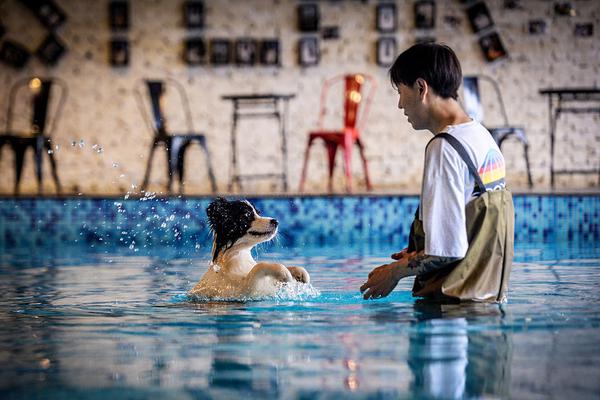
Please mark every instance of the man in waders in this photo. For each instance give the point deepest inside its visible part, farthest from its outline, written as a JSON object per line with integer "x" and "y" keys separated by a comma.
{"x": 461, "y": 241}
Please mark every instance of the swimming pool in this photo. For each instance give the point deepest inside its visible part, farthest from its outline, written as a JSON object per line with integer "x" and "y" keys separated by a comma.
{"x": 93, "y": 306}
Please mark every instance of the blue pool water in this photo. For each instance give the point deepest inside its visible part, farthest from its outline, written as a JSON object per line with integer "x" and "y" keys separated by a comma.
{"x": 89, "y": 318}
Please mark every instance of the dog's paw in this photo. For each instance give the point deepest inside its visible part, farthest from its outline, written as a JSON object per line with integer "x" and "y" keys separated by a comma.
{"x": 300, "y": 274}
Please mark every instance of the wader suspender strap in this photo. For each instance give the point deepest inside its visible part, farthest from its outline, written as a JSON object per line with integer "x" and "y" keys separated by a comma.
{"x": 463, "y": 154}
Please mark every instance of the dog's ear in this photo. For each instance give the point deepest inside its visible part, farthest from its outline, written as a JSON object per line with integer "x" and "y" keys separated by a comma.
{"x": 216, "y": 210}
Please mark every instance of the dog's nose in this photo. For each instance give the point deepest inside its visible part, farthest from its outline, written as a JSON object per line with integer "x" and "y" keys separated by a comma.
{"x": 274, "y": 222}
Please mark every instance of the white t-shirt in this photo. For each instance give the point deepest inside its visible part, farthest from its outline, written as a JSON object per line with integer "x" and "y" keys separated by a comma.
{"x": 448, "y": 186}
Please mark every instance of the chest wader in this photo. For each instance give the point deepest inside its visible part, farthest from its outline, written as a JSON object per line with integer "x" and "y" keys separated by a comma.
{"x": 482, "y": 275}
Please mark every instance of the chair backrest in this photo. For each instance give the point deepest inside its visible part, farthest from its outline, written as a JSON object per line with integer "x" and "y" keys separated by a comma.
{"x": 39, "y": 92}
{"x": 472, "y": 97}
{"x": 359, "y": 90}
{"x": 155, "y": 90}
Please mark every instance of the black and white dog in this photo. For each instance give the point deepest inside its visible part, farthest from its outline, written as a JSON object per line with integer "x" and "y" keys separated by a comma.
{"x": 237, "y": 227}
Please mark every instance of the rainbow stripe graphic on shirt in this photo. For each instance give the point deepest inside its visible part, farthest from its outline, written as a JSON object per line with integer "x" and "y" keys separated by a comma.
{"x": 492, "y": 171}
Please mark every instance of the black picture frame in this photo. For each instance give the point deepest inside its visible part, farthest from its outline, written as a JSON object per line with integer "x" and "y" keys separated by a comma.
{"x": 330, "y": 32}
{"x": 220, "y": 51}
{"x": 246, "y": 51}
{"x": 425, "y": 39}
{"x": 584, "y": 29}
{"x": 119, "y": 52}
{"x": 194, "y": 51}
{"x": 385, "y": 17}
{"x": 14, "y": 54}
{"x": 269, "y": 52}
{"x": 564, "y": 9}
{"x": 492, "y": 47}
{"x": 425, "y": 13}
{"x": 118, "y": 15}
{"x": 193, "y": 14}
{"x": 308, "y": 17}
{"x": 51, "y": 50}
{"x": 479, "y": 17}
{"x": 386, "y": 51}
{"x": 308, "y": 51}
{"x": 537, "y": 27}
{"x": 47, "y": 12}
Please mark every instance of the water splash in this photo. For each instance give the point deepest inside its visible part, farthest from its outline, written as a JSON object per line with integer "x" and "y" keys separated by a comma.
{"x": 297, "y": 291}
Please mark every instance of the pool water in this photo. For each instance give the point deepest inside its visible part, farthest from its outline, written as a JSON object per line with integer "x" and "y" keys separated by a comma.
{"x": 80, "y": 323}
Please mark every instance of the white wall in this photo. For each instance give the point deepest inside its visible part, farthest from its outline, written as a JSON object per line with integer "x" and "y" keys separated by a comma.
{"x": 101, "y": 108}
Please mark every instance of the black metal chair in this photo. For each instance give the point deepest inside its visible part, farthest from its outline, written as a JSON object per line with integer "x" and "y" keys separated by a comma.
{"x": 39, "y": 92}
{"x": 473, "y": 107}
{"x": 175, "y": 143}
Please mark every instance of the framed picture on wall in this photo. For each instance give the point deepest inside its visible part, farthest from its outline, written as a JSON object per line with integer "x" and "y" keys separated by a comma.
{"x": 47, "y": 12}
{"x": 479, "y": 17}
{"x": 245, "y": 52}
{"x": 584, "y": 30}
{"x": 269, "y": 52}
{"x": 220, "y": 50}
{"x": 13, "y": 54}
{"x": 424, "y": 14}
{"x": 492, "y": 47}
{"x": 51, "y": 50}
{"x": 385, "y": 17}
{"x": 308, "y": 51}
{"x": 118, "y": 14}
{"x": 119, "y": 52}
{"x": 195, "y": 51}
{"x": 386, "y": 51}
{"x": 193, "y": 14}
{"x": 308, "y": 17}
{"x": 536, "y": 27}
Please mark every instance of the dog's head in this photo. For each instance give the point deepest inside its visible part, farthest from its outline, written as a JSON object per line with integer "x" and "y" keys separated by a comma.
{"x": 237, "y": 223}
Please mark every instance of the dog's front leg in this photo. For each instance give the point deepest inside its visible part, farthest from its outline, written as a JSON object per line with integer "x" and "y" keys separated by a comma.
{"x": 270, "y": 270}
{"x": 299, "y": 274}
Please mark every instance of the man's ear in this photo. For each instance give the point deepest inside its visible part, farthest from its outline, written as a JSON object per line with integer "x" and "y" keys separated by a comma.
{"x": 422, "y": 87}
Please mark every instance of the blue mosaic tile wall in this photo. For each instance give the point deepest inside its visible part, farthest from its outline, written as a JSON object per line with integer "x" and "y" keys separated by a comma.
{"x": 304, "y": 221}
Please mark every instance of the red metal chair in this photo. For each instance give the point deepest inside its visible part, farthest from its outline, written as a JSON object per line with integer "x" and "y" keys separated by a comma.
{"x": 358, "y": 96}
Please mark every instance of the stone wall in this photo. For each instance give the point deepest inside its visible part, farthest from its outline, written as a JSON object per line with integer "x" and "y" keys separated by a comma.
{"x": 101, "y": 108}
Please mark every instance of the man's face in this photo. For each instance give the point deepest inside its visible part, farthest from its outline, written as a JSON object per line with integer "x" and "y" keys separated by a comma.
{"x": 409, "y": 100}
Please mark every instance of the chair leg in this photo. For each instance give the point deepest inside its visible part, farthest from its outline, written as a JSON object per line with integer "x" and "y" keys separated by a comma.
{"x": 181, "y": 165}
{"x": 305, "y": 164}
{"x": 37, "y": 156}
{"x": 53, "y": 167}
{"x": 211, "y": 175}
{"x": 171, "y": 167}
{"x": 364, "y": 161}
{"x": 148, "y": 166}
{"x": 348, "y": 142}
{"x": 19, "y": 156}
{"x": 331, "y": 152}
{"x": 526, "y": 151}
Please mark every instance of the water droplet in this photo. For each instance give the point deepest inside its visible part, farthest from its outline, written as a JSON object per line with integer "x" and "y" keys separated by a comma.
{"x": 81, "y": 143}
{"x": 115, "y": 165}
{"x": 57, "y": 147}
{"x": 50, "y": 151}
{"x": 73, "y": 143}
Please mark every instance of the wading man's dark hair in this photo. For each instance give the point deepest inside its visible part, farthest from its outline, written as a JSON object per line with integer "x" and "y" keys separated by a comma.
{"x": 435, "y": 63}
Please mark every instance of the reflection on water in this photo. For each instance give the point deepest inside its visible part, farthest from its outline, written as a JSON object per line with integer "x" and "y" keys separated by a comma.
{"x": 79, "y": 324}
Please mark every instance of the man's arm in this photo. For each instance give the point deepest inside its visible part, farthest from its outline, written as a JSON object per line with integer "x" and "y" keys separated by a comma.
{"x": 421, "y": 263}
{"x": 382, "y": 280}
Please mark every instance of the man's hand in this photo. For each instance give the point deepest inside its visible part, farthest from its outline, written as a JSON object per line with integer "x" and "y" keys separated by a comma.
{"x": 382, "y": 280}
{"x": 400, "y": 254}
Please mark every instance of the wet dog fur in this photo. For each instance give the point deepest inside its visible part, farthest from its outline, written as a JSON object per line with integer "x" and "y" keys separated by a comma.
{"x": 234, "y": 274}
